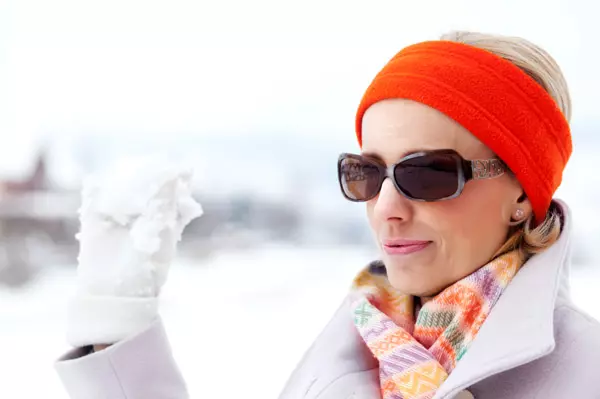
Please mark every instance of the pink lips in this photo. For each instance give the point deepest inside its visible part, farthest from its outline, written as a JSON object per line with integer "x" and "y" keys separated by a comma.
{"x": 403, "y": 247}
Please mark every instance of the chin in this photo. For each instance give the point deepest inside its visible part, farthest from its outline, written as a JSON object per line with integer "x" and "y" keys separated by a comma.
{"x": 409, "y": 284}
{"x": 414, "y": 274}
{"x": 408, "y": 289}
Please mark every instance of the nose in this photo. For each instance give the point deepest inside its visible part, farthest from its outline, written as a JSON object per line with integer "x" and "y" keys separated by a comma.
{"x": 391, "y": 205}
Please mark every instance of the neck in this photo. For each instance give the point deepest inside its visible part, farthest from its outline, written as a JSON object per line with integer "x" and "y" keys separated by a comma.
{"x": 424, "y": 299}
{"x": 420, "y": 301}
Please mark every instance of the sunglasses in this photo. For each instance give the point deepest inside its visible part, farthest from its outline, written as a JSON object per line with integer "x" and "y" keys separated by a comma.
{"x": 422, "y": 176}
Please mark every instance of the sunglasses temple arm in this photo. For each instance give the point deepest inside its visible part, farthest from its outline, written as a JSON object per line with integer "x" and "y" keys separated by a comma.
{"x": 484, "y": 168}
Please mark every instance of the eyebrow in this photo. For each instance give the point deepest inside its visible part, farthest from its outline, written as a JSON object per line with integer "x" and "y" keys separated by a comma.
{"x": 374, "y": 155}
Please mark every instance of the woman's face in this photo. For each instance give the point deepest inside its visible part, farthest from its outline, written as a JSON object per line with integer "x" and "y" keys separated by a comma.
{"x": 460, "y": 234}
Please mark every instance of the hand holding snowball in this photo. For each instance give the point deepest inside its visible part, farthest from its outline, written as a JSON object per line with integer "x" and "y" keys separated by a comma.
{"x": 131, "y": 221}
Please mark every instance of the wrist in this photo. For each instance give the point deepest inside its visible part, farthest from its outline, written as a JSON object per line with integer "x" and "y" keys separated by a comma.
{"x": 98, "y": 348}
{"x": 107, "y": 320}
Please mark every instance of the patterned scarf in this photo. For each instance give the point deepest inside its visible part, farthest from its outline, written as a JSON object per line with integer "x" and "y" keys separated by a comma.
{"x": 416, "y": 357}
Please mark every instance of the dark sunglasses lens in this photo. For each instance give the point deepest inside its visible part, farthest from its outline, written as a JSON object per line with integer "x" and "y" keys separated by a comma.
{"x": 429, "y": 177}
{"x": 359, "y": 179}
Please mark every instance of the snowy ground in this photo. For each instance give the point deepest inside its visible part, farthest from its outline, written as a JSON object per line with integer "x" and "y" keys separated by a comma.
{"x": 257, "y": 310}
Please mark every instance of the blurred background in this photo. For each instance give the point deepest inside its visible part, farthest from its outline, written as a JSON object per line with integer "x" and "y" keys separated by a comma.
{"x": 259, "y": 96}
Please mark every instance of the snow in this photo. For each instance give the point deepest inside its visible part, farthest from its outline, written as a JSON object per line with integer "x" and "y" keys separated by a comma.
{"x": 257, "y": 310}
{"x": 131, "y": 223}
{"x": 121, "y": 192}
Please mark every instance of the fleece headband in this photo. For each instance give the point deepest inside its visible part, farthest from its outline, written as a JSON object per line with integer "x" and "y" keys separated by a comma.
{"x": 492, "y": 98}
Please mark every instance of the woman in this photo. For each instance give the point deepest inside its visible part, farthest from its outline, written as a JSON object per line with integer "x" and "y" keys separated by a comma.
{"x": 464, "y": 141}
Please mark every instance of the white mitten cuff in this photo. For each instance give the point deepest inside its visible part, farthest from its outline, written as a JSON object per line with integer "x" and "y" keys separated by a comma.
{"x": 95, "y": 320}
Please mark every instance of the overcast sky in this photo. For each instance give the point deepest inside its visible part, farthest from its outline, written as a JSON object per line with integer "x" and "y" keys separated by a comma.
{"x": 137, "y": 68}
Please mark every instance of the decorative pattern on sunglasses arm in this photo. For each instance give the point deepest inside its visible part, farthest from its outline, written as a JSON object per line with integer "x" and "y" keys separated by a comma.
{"x": 416, "y": 356}
{"x": 486, "y": 169}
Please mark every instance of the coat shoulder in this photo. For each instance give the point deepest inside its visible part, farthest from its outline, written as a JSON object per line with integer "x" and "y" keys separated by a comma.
{"x": 570, "y": 371}
{"x": 576, "y": 333}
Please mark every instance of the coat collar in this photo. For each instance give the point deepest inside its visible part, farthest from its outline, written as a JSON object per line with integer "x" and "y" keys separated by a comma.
{"x": 520, "y": 327}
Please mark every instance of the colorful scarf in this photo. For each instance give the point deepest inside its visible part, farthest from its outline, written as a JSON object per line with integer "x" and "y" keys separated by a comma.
{"x": 416, "y": 357}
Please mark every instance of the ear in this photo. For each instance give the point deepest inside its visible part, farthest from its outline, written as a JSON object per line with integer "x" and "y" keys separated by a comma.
{"x": 520, "y": 210}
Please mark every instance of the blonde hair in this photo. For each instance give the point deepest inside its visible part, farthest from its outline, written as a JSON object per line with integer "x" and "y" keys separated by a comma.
{"x": 527, "y": 238}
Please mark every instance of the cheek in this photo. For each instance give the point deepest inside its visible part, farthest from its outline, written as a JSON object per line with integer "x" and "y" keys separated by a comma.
{"x": 370, "y": 208}
{"x": 472, "y": 224}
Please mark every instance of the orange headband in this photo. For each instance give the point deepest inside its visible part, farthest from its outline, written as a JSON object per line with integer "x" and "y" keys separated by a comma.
{"x": 492, "y": 98}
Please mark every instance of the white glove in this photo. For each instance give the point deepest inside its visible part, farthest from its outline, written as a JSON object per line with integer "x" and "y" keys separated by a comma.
{"x": 131, "y": 221}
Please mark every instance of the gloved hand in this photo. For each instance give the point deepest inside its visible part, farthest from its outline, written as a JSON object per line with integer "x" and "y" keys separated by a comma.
{"x": 131, "y": 220}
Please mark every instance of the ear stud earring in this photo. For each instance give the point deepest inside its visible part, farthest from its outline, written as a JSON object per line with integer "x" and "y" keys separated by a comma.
{"x": 519, "y": 213}
{"x": 517, "y": 217}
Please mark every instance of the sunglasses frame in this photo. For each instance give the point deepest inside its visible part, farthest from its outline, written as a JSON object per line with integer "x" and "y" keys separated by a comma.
{"x": 477, "y": 169}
